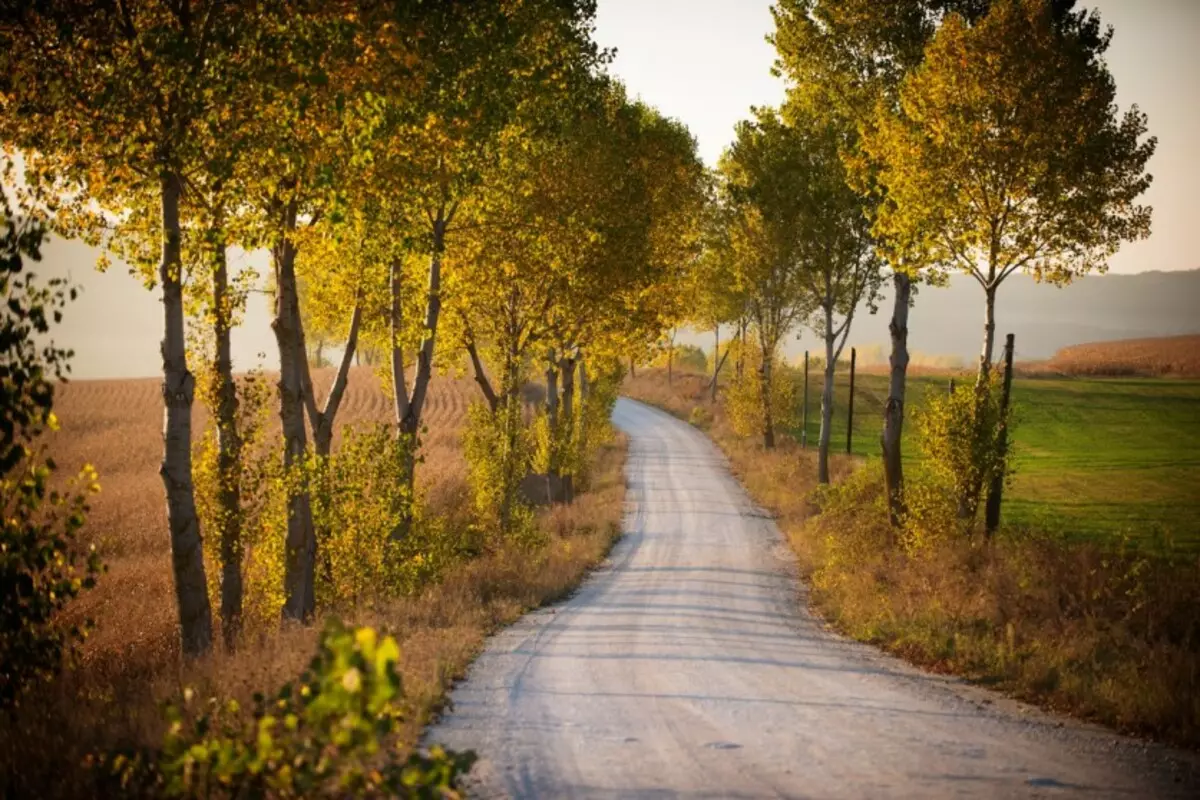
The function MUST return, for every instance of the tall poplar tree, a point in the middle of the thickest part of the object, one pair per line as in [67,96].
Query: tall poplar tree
[111,102]
[1008,153]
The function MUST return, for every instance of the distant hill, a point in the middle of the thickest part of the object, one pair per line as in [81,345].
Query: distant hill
[115,326]
[946,324]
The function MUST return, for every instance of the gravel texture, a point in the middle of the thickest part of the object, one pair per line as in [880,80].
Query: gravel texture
[688,665]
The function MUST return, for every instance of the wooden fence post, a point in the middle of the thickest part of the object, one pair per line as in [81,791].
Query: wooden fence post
[850,415]
[996,491]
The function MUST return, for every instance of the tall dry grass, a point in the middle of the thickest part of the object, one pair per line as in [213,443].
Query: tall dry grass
[1108,635]
[112,695]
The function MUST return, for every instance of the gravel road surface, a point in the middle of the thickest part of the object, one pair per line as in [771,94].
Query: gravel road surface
[688,666]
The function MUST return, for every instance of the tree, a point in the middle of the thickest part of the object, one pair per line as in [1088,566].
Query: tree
[477,63]
[111,102]
[764,206]
[834,248]
[1007,153]
[845,58]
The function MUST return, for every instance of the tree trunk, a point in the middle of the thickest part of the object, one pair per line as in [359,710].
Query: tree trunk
[300,549]
[553,468]
[584,393]
[989,337]
[893,410]
[670,357]
[765,389]
[567,366]
[178,390]
[826,403]
[510,421]
[323,430]
[632,368]
[481,378]
[717,360]
[996,489]
[968,504]
[409,408]
[229,451]
[410,421]
[741,359]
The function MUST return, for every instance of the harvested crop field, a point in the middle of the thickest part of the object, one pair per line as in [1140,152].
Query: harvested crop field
[1173,356]
[116,426]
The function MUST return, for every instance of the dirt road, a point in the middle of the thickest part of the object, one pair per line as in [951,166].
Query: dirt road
[688,666]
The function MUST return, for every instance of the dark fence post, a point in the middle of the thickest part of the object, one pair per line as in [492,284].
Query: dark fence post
[804,415]
[850,415]
[951,386]
[995,492]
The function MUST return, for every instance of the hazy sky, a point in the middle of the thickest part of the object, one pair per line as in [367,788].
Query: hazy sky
[706,62]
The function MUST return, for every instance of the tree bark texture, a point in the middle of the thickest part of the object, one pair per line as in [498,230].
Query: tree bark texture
[323,425]
[301,545]
[764,384]
[826,400]
[893,409]
[409,407]
[410,423]
[178,390]
[989,336]
[481,378]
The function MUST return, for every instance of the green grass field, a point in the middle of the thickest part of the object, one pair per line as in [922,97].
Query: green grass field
[1094,458]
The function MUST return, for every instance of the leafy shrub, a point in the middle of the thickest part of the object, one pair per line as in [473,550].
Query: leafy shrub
[39,566]
[744,396]
[959,435]
[361,503]
[499,450]
[261,519]
[594,429]
[330,735]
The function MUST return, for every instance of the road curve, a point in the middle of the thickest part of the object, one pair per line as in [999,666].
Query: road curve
[687,666]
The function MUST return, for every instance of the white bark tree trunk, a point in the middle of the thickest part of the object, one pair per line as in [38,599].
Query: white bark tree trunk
[989,336]
[178,390]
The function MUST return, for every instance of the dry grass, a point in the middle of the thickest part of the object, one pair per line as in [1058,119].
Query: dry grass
[131,663]
[1173,356]
[1107,635]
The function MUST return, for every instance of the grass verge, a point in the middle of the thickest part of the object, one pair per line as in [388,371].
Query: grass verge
[1104,633]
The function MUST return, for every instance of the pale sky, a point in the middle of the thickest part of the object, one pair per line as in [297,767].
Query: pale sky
[706,62]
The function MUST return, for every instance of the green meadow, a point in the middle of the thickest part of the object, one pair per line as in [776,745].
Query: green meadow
[1093,458]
